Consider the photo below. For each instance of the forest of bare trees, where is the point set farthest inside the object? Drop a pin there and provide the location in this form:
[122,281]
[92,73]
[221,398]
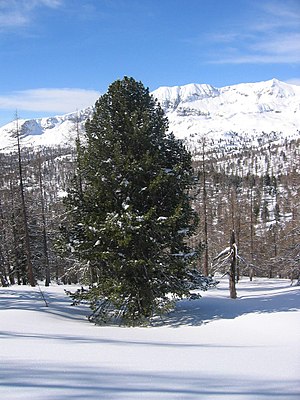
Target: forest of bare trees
[255,193]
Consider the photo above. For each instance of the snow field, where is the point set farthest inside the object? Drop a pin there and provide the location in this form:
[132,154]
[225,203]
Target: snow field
[211,348]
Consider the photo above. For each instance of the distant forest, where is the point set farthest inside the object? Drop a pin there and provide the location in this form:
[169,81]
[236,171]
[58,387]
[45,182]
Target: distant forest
[255,192]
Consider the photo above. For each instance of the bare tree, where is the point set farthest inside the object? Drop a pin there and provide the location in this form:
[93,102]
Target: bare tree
[205,265]
[24,210]
[229,257]
[233,266]
[44,226]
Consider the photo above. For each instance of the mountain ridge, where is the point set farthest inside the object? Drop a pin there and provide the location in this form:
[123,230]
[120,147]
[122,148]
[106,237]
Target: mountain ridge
[237,115]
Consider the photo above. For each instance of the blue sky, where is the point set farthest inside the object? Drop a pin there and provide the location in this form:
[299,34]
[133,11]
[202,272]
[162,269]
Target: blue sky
[57,56]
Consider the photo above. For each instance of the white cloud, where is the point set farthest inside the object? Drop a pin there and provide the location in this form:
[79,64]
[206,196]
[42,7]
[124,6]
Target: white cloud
[49,100]
[273,37]
[281,45]
[286,11]
[19,13]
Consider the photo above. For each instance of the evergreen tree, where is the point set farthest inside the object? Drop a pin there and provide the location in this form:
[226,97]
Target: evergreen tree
[130,212]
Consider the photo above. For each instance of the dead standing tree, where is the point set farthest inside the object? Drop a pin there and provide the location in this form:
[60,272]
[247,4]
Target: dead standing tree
[233,266]
[30,275]
[229,255]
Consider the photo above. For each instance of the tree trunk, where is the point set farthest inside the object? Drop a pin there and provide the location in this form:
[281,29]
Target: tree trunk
[251,274]
[205,266]
[233,267]
[251,233]
[45,243]
[25,219]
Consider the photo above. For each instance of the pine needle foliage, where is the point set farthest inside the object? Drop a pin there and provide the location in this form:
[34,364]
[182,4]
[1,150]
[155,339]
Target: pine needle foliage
[130,214]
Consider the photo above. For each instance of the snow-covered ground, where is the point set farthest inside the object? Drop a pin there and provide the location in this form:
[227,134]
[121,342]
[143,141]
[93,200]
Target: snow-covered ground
[211,348]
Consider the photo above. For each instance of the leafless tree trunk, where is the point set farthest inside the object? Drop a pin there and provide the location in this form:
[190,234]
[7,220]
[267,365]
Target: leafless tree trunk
[251,233]
[205,265]
[233,267]
[44,226]
[4,273]
[24,211]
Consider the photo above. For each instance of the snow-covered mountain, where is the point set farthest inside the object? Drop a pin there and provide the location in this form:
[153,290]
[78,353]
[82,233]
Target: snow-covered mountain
[51,131]
[248,114]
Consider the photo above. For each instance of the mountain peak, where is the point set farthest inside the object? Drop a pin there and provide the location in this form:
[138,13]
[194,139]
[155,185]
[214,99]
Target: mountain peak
[280,89]
[172,96]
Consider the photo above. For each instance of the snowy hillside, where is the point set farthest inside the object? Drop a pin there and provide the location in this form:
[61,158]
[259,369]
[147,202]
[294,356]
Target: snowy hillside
[52,131]
[239,116]
[211,348]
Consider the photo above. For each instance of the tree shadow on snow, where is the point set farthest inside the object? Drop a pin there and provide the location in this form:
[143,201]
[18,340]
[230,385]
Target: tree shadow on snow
[187,312]
[32,299]
[67,382]
[208,309]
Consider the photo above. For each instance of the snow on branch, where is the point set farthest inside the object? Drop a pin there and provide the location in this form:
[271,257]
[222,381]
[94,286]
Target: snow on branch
[226,252]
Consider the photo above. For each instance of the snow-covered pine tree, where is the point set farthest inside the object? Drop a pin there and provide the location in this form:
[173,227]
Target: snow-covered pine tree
[131,215]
